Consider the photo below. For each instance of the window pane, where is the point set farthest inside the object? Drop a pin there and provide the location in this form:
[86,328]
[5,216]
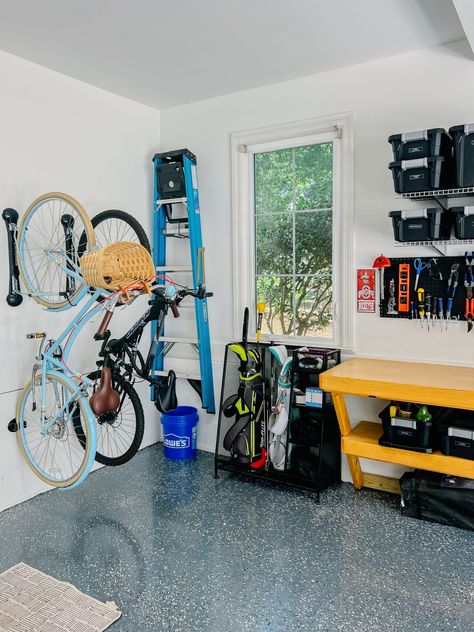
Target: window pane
[313,305]
[277,293]
[273,181]
[274,244]
[313,242]
[313,174]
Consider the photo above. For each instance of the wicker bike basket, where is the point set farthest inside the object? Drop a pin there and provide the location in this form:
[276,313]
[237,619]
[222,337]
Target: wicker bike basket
[116,265]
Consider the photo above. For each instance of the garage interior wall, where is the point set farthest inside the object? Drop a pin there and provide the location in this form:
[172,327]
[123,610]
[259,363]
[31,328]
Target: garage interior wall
[428,88]
[59,134]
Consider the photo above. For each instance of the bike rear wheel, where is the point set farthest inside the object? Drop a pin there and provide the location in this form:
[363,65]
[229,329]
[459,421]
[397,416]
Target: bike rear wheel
[55,454]
[48,237]
[114,225]
[119,434]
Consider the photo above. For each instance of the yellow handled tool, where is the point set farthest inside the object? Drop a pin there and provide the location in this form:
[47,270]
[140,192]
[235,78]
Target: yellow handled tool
[260,311]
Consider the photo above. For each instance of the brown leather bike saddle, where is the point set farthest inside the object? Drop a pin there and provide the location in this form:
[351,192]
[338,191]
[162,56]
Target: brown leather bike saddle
[105,399]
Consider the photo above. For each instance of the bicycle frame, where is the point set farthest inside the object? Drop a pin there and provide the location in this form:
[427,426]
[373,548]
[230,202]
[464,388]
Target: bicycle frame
[53,361]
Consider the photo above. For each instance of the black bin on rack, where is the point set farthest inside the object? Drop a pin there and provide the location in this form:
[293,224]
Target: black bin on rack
[463,138]
[422,144]
[409,434]
[425,224]
[456,432]
[423,174]
[463,221]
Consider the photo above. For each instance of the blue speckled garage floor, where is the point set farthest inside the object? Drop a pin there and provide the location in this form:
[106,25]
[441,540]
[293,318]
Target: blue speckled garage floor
[181,552]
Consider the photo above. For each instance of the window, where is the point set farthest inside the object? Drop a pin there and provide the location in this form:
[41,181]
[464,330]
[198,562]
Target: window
[293,205]
[292,212]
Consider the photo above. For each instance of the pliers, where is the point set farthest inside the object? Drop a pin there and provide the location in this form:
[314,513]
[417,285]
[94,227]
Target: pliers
[469,315]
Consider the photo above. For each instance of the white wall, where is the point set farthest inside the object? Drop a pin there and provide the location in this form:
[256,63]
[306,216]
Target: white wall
[58,134]
[429,88]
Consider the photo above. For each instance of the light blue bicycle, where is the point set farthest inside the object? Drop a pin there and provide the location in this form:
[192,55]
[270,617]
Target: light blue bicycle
[53,234]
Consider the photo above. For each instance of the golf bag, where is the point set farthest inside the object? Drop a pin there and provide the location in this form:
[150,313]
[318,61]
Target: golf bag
[246,438]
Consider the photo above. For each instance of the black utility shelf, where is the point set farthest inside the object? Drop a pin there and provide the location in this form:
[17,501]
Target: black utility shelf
[313,455]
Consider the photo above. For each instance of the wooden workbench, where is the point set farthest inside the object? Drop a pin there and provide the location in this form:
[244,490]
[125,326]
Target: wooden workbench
[432,384]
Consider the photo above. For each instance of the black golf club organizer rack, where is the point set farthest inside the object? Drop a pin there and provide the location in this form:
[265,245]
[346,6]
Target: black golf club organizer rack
[312,444]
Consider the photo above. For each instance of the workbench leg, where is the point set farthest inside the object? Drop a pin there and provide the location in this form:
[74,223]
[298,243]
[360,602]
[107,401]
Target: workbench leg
[345,427]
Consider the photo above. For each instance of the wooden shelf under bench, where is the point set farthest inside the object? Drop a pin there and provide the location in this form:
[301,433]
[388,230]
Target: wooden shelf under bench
[431,384]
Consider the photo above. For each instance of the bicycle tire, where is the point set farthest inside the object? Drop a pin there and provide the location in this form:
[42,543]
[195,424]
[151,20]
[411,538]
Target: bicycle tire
[102,239]
[120,384]
[22,424]
[87,239]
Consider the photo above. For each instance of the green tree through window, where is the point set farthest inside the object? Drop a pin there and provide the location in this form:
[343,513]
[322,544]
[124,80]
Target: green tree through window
[293,227]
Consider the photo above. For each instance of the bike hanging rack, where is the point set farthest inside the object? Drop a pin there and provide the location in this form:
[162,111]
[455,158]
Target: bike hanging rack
[14,297]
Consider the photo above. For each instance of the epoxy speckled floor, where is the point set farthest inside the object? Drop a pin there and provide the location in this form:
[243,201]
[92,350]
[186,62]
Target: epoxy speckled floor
[181,552]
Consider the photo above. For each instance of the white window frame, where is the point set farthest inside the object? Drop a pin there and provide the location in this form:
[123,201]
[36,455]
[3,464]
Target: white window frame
[338,129]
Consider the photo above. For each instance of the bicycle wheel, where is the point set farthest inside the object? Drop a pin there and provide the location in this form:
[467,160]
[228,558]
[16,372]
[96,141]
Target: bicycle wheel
[53,225]
[114,225]
[119,434]
[55,455]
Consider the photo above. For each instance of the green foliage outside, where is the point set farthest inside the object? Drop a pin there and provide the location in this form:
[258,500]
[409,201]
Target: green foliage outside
[294,239]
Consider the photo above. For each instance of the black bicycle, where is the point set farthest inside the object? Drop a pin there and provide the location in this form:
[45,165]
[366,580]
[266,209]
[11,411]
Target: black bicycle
[120,424]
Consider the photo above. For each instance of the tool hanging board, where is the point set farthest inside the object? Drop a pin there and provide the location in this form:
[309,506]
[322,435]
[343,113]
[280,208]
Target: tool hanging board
[433,286]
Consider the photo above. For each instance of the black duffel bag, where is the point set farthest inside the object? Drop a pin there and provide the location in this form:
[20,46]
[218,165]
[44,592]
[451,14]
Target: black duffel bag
[439,498]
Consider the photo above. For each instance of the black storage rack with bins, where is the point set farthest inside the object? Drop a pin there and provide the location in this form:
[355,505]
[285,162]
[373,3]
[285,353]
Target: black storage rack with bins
[316,438]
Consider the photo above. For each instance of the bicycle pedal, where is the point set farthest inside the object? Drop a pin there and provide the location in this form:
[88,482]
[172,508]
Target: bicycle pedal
[36,334]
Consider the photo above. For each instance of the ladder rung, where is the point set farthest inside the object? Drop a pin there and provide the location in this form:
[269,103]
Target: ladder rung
[171,268]
[186,376]
[182,200]
[189,341]
[176,233]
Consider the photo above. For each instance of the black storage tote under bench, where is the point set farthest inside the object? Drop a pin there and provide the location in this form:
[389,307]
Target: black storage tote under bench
[456,432]
[423,144]
[407,433]
[422,174]
[425,224]
[463,138]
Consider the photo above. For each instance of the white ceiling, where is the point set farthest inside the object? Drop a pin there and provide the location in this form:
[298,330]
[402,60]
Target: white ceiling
[164,53]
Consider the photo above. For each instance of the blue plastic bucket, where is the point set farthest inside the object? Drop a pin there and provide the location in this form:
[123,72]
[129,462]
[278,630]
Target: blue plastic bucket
[179,432]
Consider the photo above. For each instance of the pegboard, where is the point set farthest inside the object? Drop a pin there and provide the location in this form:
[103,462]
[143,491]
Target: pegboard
[429,280]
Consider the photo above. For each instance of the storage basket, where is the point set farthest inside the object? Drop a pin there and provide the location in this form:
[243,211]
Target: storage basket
[117,265]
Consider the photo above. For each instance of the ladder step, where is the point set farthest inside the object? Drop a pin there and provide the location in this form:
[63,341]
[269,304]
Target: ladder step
[185,376]
[189,341]
[182,200]
[171,268]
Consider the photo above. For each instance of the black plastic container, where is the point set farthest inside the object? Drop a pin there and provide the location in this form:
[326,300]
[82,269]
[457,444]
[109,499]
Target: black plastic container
[463,221]
[463,138]
[315,359]
[424,174]
[423,144]
[421,224]
[456,432]
[408,434]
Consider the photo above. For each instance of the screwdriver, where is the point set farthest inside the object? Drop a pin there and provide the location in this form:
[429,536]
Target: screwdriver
[435,315]
[421,307]
[412,310]
[440,311]
[428,310]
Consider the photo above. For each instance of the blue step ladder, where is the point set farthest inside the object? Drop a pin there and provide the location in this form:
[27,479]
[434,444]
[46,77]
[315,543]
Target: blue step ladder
[176,215]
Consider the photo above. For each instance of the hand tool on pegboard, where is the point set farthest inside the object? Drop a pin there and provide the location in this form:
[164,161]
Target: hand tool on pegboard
[452,285]
[419,266]
[380,263]
[392,304]
[421,304]
[428,310]
[403,287]
[469,314]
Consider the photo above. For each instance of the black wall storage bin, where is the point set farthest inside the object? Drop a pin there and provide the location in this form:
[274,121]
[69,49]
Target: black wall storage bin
[423,174]
[408,434]
[456,431]
[426,224]
[423,144]
[448,500]
[463,220]
[463,138]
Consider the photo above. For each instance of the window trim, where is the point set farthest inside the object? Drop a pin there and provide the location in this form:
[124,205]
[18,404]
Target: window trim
[295,134]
